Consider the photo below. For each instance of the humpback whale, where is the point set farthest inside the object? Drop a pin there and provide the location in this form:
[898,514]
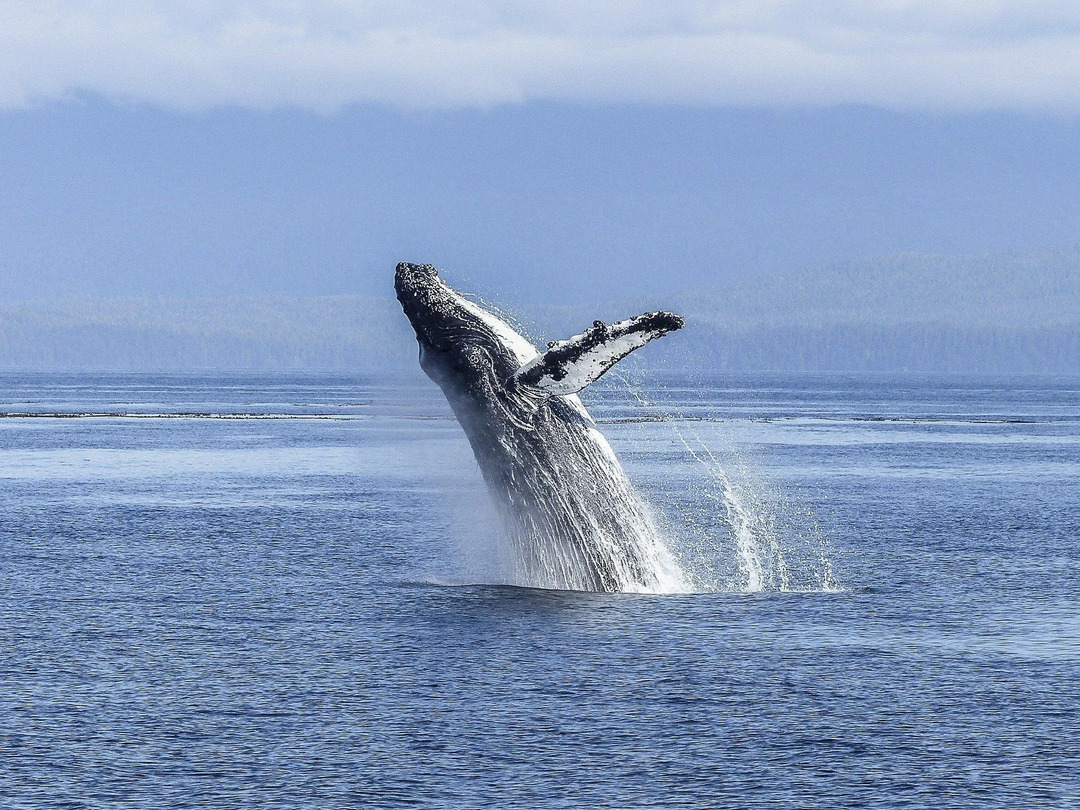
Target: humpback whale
[575,520]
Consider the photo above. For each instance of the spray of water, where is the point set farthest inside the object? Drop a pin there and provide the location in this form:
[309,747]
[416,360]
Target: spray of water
[733,531]
[578,523]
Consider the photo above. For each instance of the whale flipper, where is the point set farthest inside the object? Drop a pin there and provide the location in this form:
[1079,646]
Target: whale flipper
[570,365]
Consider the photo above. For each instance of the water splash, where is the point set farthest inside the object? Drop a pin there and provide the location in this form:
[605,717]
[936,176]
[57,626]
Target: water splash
[572,517]
[764,540]
[563,540]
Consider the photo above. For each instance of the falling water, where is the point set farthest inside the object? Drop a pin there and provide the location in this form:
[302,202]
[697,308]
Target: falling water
[762,541]
[578,524]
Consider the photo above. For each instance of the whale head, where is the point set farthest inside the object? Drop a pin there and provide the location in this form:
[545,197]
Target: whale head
[461,343]
[468,350]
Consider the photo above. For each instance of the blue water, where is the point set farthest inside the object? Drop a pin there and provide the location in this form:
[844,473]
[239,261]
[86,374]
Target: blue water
[276,592]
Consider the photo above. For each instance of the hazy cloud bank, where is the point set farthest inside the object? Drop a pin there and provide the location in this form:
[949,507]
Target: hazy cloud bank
[323,54]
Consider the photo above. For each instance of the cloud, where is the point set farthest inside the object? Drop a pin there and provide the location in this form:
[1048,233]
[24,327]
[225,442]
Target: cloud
[325,54]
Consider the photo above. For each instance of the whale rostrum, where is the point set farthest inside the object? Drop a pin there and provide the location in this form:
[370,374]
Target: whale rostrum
[573,516]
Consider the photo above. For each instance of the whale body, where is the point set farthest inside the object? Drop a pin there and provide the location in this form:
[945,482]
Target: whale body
[575,520]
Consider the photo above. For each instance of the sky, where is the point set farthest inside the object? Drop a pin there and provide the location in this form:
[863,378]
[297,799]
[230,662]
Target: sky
[562,150]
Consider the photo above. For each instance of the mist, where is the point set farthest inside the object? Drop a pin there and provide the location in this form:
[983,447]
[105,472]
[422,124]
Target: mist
[844,238]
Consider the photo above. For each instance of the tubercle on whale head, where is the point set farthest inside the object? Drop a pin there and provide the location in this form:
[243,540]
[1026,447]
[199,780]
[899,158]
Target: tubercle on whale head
[427,302]
[408,275]
[415,285]
[459,341]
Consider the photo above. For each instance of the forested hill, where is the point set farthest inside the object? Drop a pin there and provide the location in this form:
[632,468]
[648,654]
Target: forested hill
[916,313]
[974,291]
[336,332]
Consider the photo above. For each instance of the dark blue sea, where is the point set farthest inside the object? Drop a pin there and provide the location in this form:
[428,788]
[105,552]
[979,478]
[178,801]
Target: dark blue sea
[281,591]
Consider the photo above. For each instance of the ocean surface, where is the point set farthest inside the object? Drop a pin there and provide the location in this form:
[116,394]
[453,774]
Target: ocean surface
[285,591]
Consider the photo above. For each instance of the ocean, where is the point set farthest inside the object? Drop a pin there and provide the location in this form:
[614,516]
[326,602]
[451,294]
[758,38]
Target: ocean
[289,590]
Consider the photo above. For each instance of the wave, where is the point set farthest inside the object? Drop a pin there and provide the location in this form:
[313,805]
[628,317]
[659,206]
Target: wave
[171,415]
[900,420]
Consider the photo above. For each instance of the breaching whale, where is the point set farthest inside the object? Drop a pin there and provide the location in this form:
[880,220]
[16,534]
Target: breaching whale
[574,517]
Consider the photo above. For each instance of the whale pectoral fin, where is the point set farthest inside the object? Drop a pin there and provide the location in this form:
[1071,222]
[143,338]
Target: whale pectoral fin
[570,365]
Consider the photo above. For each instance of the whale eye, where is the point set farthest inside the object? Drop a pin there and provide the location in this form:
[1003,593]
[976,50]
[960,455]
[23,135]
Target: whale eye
[443,345]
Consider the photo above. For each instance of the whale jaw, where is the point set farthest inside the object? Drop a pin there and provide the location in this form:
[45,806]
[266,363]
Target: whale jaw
[457,338]
[425,299]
